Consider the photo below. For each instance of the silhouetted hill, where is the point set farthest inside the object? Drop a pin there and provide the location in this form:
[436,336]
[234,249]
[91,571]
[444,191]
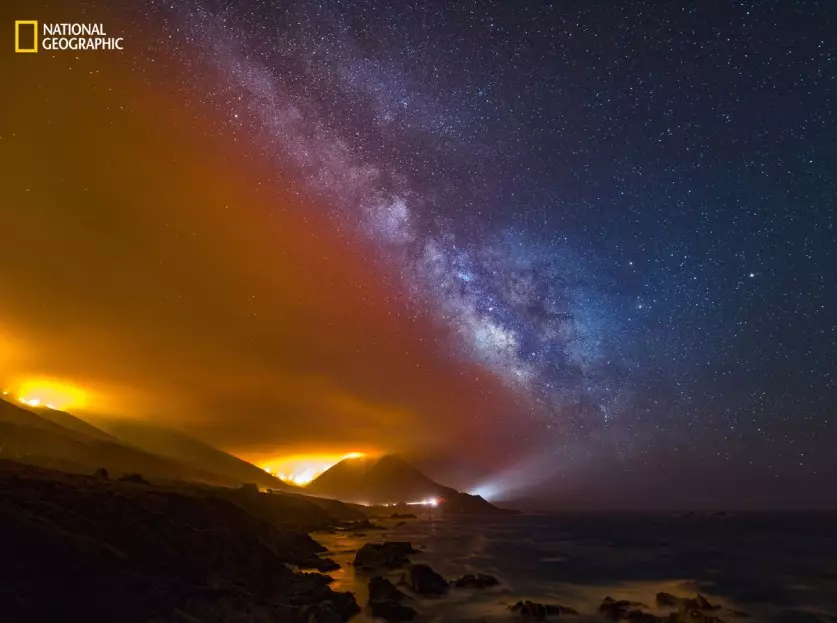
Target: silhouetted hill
[67,420]
[391,480]
[377,481]
[31,438]
[87,549]
[177,446]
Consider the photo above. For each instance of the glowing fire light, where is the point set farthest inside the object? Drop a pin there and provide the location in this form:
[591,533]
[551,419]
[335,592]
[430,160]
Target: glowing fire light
[302,469]
[50,394]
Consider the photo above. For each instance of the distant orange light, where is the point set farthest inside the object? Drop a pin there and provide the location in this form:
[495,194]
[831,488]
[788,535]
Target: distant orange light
[49,393]
[301,469]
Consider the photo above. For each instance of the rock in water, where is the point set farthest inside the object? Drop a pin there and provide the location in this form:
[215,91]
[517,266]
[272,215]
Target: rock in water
[667,600]
[384,601]
[389,554]
[381,589]
[361,524]
[480,580]
[425,581]
[690,610]
[539,612]
[618,610]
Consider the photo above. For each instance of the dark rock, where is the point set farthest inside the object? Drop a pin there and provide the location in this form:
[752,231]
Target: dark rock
[326,565]
[360,524]
[692,616]
[684,603]
[359,534]
[738,614]
[638,616]
[381,589]
[403,516]
[101,474]
[539,612]
[616,610]
[385,601]
[400,523]
[667,600]
[340,607]
[172,553]
[423,580]
[392,611]
[388,554]
[480,580]
[136,478]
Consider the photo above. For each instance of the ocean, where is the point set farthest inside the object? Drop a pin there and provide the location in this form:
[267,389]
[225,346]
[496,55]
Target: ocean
[776,567]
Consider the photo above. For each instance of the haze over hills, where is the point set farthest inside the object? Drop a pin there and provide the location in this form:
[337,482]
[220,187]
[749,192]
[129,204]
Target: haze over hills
[67,420]
[391,480]
[178,446]
[52,438]
[59,440]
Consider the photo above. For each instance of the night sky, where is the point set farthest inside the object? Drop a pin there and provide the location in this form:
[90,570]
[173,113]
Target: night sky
[579,253]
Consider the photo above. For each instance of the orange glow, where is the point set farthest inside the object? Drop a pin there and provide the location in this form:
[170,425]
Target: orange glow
[300,469]
[49,393]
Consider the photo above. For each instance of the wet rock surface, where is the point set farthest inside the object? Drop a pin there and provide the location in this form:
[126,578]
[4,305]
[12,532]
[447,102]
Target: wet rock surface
[423,580]
[538,611]
[391,554]
[618,610]
[359,525]
[689,610]
[478,580]
[385,601]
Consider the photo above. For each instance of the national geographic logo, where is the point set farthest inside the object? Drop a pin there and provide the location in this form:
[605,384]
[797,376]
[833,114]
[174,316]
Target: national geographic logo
[26,36]
[63,37]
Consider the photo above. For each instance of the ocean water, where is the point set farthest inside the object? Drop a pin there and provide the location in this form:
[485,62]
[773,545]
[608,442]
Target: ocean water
[778,568]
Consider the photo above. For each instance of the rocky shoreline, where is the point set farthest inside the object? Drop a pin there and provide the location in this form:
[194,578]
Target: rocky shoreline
[95,549]
[391,601]
[92,549]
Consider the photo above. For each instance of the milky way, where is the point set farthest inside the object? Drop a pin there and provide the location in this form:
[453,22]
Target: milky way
[618,212]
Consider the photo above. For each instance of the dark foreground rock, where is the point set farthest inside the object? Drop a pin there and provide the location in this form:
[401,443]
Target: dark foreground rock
[423,580]
[360,524]
[689,610]
[539,612]
[699,602]
[85,549]
[385,601]
[693,609]
[391,554]
[403,516]
[619,610]
[480,580]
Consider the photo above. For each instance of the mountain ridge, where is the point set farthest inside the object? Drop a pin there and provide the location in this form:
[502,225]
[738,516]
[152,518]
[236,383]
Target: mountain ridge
[392,480]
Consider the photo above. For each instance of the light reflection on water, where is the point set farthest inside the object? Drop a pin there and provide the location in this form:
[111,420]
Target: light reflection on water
[740,563]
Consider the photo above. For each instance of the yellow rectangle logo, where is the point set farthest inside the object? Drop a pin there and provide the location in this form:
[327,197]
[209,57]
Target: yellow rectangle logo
[26,36]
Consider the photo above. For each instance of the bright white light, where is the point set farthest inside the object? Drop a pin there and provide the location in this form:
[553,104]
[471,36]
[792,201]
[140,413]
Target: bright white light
[486,492]
[427,502]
